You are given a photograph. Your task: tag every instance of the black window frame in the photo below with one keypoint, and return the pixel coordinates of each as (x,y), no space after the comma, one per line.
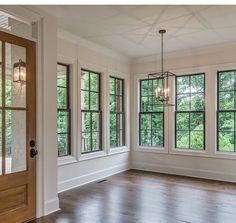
(118,130)
(191,112)
(99,111)
(67,109)
(225,110)
(150,113)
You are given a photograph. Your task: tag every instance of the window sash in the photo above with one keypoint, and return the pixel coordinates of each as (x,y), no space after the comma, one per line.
(66,109)
(189,112)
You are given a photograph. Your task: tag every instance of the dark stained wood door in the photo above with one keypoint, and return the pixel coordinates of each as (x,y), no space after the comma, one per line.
(17,129)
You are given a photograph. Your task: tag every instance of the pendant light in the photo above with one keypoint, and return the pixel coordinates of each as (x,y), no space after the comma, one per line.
(162,92)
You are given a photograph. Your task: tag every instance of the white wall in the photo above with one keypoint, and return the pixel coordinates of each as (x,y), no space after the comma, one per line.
(207,164)
(80,169)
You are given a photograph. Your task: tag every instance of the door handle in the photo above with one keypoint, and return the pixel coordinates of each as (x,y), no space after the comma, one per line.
(33,150)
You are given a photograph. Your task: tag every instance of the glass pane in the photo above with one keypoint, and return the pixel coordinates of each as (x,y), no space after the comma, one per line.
(62,144)
(86,141)
(112,85)
(61,75)
(119,106)
(226,141)
(145,90)
(157,121)
(112,103)
(85,80)
(197,83)
(182,141)
(62,122)
(121,121)
(197,102)
(145,121)
(196,121)
(95,121)
(157,105)
(226,81)
(86,121)
(182,121)
(61,97)
(226,121)
(145,138)
(183,85)
(121,139)
(113,122)
(145,104)
(15,141)
(157,138)
(94,82)
(0,142)
(85,100)
(94,99)
(119,87)
(95,141)
(226,100)
(196,140)
(15,88)
(113,135)
(183,102)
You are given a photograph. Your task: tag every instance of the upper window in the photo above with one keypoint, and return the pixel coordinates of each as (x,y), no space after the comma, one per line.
(91,111)
(151,115)
(63,110)
(190,112)
(117,113)
(226,114)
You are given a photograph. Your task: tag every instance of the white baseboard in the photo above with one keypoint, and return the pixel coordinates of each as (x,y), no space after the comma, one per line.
(205,174)
(91,177)
(51,206)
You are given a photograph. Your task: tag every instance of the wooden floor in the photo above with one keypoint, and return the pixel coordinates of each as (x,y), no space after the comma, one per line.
(144,197)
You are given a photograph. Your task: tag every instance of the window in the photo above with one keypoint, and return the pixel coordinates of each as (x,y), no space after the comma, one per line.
(151,115)
(226,111)
(190,112)
(63,111)
(117,114)
(91,111)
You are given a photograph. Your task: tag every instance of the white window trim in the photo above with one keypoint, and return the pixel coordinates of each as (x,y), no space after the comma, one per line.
(136,96)
(210,115)
(64,160)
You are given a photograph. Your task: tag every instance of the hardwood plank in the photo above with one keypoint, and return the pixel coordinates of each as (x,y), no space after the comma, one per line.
(145,197)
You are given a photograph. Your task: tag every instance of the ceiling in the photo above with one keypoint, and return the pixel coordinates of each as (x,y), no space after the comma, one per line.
(133,30)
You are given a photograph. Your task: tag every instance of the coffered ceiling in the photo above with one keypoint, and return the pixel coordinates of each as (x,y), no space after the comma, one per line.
(133,30)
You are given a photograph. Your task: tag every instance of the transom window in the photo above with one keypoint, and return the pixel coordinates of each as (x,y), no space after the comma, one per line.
(151,115)
(63,110)
(226,111)
(91,111)
(117,114)
(190,112)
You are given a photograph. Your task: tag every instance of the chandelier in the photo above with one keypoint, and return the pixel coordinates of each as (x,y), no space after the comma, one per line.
(162,92)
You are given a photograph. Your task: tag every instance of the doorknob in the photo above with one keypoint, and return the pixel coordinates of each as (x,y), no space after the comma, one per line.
(33,150)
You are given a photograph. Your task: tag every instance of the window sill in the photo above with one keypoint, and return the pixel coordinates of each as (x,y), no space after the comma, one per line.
(225,155)
(151,149)
(116,150)
(92,155)
(65,160)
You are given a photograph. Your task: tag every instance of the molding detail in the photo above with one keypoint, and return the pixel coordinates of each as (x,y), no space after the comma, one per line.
(51,206)
(189,172)
(91,177)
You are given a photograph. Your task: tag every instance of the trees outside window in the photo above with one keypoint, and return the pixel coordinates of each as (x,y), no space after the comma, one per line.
(190,112)
(151,115)
(63,111)
(226,111)
(91,111)
(117,113)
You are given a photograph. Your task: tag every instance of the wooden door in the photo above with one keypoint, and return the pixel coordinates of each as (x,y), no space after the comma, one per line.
(17,129)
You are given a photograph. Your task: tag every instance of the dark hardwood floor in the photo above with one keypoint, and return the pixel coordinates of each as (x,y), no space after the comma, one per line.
(144,197)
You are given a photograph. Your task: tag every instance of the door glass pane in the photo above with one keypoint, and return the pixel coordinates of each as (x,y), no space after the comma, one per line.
(15,79)
(15,141)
